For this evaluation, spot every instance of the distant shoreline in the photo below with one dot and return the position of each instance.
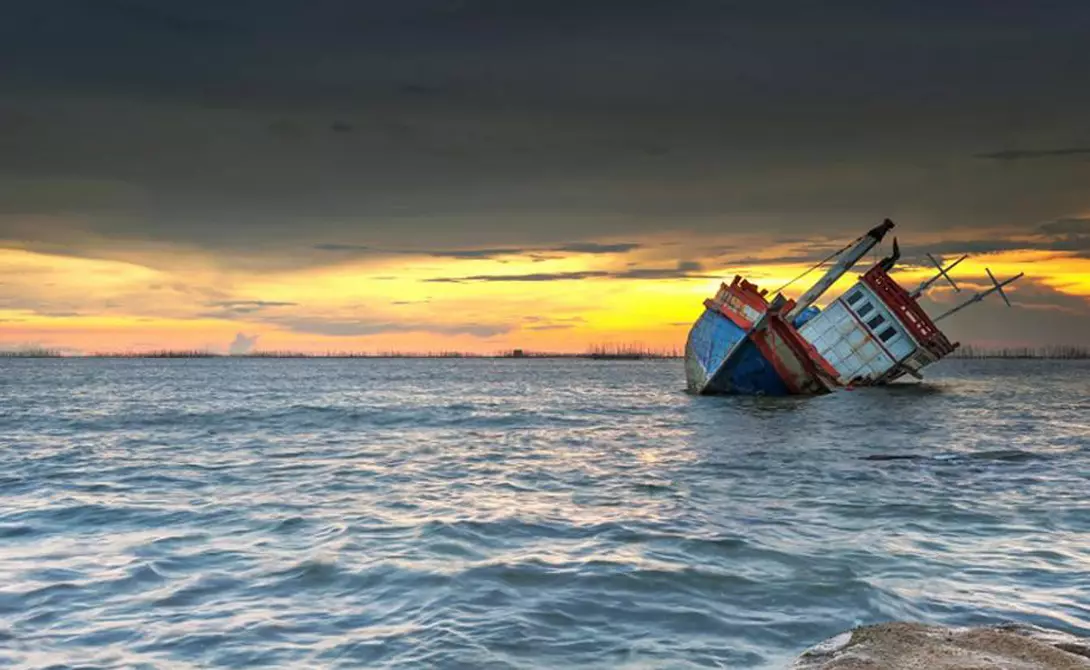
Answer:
(515, 355)
(1068, 354)
(1053, 352)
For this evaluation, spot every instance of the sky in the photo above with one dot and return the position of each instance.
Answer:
(481, 175)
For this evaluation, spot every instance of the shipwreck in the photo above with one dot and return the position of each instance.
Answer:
(873, 333)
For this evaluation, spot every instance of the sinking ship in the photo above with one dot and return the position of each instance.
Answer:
(873, 333)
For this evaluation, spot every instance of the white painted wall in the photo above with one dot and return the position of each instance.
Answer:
(853, 348)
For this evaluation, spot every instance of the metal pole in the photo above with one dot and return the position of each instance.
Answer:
(849, 259)
(943, 272)
(980, 296)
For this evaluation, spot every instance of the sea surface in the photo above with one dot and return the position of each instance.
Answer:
(236, 513)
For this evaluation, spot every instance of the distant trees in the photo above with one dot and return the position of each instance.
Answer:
(158, 353)
(630, 351)
(612, 352)
(597, 352)
(1060, 352)
(30, 352)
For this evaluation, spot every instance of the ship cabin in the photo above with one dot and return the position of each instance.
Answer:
(875, 332)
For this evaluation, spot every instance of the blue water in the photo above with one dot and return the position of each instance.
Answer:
(521, 514)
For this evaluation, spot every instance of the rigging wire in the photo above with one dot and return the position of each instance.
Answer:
(836, 253)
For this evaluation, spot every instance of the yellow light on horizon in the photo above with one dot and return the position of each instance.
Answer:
(129, 304)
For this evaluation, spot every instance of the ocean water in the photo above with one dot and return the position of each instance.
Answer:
(522, 514)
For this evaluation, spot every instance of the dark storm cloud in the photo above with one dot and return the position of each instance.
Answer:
(683, 270)
(1020, 154)
(341, 247)
(570, 248)
(486, 124)
(594, 248)
(489, 253)
(745, 261)
(468, 254)
(976, 247)
(1070, 226)
(531, 277)
(154, 16)
(362, 327)
(230, 309)
(804, 251)
(658, 273)
(1070, 234)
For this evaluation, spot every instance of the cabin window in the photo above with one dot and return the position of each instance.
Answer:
(887, 334)
(854, 297)
(876, 321)
(866, 309)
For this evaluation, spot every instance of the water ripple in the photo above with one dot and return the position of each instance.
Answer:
(521, 514)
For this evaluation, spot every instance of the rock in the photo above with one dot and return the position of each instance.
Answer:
(911, 646)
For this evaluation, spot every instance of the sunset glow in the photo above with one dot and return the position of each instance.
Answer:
(415, 303)
(415, 177)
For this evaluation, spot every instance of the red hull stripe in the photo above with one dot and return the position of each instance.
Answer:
(761, 339)
(795, 361)
(735, 317)
(748, 293)
(806, 351)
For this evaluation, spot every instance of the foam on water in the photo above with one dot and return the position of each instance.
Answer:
(522, 514)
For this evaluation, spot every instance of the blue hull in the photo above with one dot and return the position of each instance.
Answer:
(748, 372)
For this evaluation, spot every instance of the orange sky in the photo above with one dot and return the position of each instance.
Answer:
(197, 174)
(179, 299)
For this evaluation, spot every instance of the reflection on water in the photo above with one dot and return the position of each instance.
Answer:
(474, 513)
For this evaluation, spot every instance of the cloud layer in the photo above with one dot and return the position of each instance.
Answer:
(439, 169)
(476, 128)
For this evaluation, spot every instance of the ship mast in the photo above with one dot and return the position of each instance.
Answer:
(997, 287)
(944, 272)
(846, 262)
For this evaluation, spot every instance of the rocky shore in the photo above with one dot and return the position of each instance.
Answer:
(911, 646)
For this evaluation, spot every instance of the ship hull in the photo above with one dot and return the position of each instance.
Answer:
(768, 358)
(875, 333)
(721, 358)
